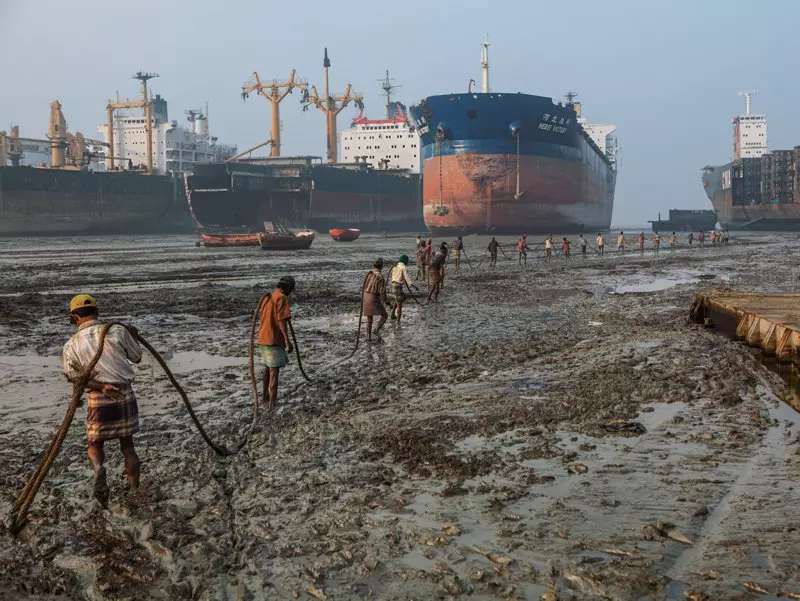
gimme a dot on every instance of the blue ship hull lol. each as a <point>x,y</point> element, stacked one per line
<point>510,163</point>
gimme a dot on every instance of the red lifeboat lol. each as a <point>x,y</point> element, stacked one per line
<point>344,235</point>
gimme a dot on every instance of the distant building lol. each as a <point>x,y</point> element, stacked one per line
<point>383,143</point>
<point>175,149</point>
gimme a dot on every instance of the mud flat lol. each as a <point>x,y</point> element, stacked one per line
<point>556,432</point>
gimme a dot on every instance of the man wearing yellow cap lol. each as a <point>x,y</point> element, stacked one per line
<point>112,411</point>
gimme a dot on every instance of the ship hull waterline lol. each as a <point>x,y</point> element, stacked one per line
<point>479,195</point>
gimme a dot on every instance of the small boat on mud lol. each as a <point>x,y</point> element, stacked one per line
<point>217,240</point>
<point>344,235</point>
<point>282,238</point>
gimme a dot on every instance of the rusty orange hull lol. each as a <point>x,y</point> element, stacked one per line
<point>478,194</point>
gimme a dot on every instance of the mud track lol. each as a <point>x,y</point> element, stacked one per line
<point>557,431</point>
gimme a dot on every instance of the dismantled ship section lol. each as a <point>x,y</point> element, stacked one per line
<point>241,196</point>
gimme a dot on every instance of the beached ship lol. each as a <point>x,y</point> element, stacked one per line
<point>243,194</point>
<point>511,163</point>
<point>686,220</point>
<point>758,189</point>
<point>73,185</point>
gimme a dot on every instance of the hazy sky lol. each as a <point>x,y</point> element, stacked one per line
<point>665,72</point>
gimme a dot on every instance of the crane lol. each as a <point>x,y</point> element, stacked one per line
<point>331,106</point>
<point>274,92</point>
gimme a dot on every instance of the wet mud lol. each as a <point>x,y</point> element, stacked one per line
<point>553,431</point>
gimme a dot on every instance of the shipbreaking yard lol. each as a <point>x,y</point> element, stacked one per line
<point>556,432</point>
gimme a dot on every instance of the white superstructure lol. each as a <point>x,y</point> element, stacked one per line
<point>601,135</point>
<point>175,149</point>
<point>749,132</point>
<point>383,143</point>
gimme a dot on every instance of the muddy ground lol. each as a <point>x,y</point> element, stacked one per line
<point>557,431</point>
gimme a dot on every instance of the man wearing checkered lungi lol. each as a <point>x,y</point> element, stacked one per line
<point>112,412</point>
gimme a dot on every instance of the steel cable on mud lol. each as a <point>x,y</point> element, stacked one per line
<point>308,378</point>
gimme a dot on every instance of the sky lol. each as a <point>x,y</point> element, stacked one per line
<point>666,73</point>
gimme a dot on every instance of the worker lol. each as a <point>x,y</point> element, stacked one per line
<point>640,241</point>
<point>621,242</point>
<point>419,241</point>
<point>428,253</point>
<point>522,250</point>
<point>112,412</point>
<point>713,237</point>
<point>399,277</point>
<point>458,245</point>
<point>548,248</point>
<point>436,272</point>
<point>374,298</point>
<point>583,243</point>
<point>274,342</point>
<point>673,241</point>
<point>690,238</point>
<point>726,237</point>
<point>565,246</point>
<point>492,248</point>
<point>656,242</point>
<point>421,262</point>
<point>701,237</point>
<point>601,244</point>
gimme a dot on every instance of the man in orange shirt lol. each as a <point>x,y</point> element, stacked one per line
<point>273,335</point>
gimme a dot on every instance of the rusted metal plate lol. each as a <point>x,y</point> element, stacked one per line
<point>770,321</point>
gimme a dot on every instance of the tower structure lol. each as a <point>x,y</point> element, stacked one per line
<point>331,106</point>
<point>485,64</point>
<point>274,92</point>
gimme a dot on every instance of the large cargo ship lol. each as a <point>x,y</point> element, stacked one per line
<point>242,195</point>
<point>73,185</point>
<point>758,189</point>
<point>511,163</point>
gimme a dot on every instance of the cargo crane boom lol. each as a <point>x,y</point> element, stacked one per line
<point>274,92</point>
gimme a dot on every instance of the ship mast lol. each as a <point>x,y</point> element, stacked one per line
<point>274,92</point>
<point>388,87</point>
<point>331,106</point>
<point>144,103</point>
<point>748,94</point>
<point>485,64</point>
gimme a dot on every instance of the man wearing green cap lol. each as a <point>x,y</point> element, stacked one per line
<point>399,278</point>
<point>112,412</point>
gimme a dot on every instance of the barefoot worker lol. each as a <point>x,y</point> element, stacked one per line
<point>522,250</point>
<point>548,247</point>
<point>458,245</point>
<point>601,244</point>
<point>583,243</point>
<point>640,241</point>
<point>492,248</point>
<point>374,298</point>
<point>273,336</point>
<point>112,412</point>
<point>621,242</point>
<point>399,278</point>
<point>436,272</point>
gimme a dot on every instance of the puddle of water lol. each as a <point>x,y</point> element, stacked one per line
<point>661,413</point>
<point>790,375</point>
<point>652,286</point>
